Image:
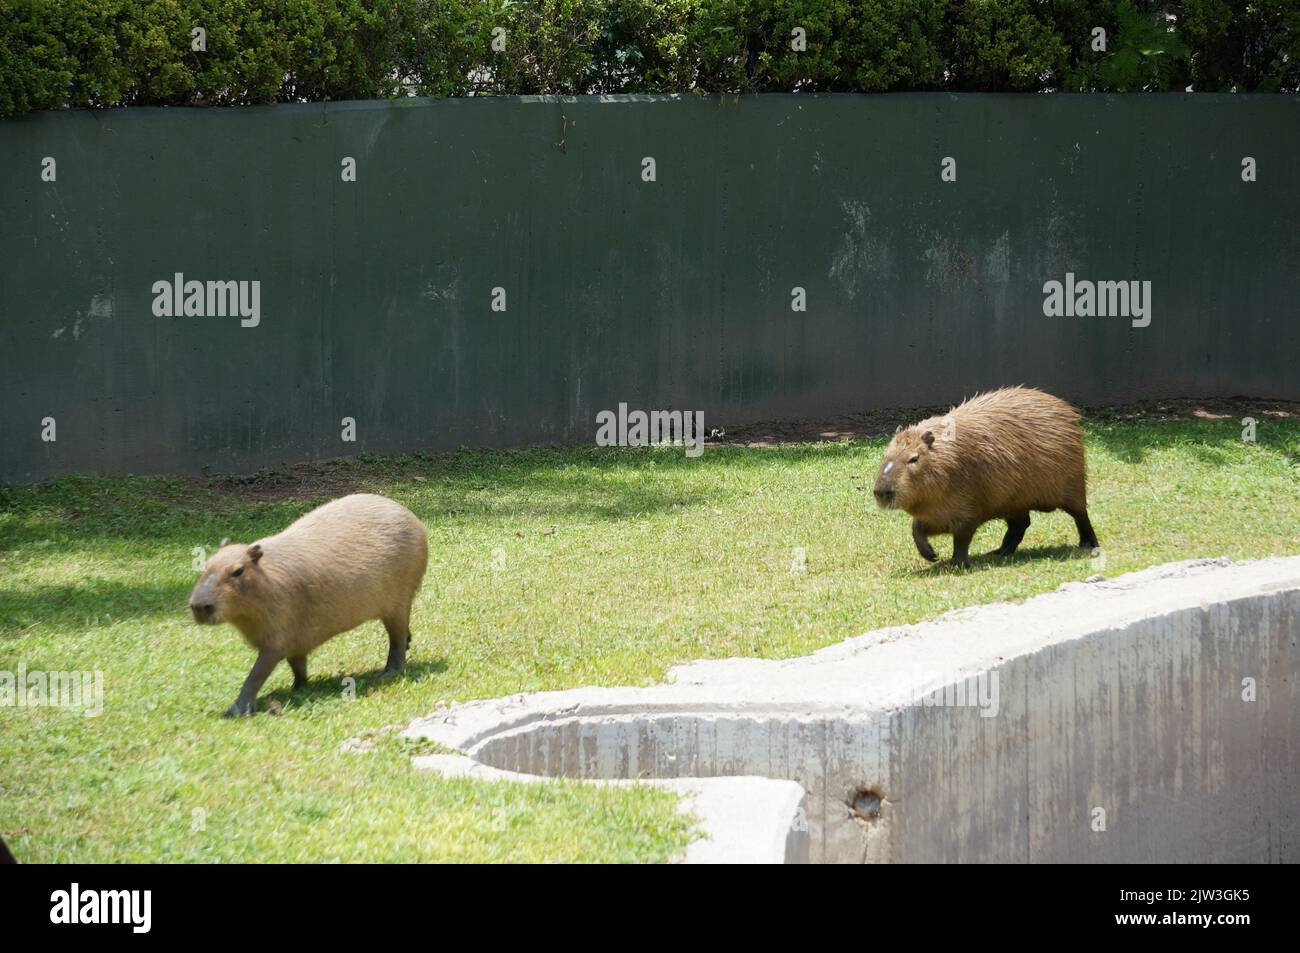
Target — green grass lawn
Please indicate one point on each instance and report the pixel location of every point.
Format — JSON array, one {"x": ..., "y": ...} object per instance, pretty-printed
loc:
[{"x": 548, "y": 569}]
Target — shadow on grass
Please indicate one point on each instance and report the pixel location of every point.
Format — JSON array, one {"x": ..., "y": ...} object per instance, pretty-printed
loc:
[
  {"x": 1212, "y": 442},
  {"x": 330, "y": 690},
  {"x": 587, "y": 484},
  {"x": 584, "y": 484},
  {"x": 1062, "y": 552},
  {"x": 88, "y": 603}
]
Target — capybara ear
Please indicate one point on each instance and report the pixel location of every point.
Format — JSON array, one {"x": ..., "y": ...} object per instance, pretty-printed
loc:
[
  {"x": 928, "y": 437},
  {"x": 225, "y": 541},
  {"x": 898, "y": 429},
  {"x": 255, "y": 552}
]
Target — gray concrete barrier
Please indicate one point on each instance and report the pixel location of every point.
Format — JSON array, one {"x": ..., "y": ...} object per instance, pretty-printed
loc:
[
  {"x": 502, "y": 270},
  {"x": 1152, "y": 717}
]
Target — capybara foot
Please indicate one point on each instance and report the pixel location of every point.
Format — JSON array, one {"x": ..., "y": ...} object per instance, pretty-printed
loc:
[
  {"x": 241, "y": 707},
  {"x": 1016, "y": 526},
  {"x": 922, "y": 543},
  {"x": 396, "y": 652},
  {"x": 1087, "y": 536},
  {"x": 961, "y": 546},
  {"x": 1006, "y": 549}
]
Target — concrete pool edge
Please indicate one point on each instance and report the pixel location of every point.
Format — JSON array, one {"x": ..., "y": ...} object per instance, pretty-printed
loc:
[{"x": 1107, "y": 679}]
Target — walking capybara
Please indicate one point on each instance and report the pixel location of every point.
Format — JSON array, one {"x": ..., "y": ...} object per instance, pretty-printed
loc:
[
  {"x": 996, "y": 456},
  {"x": 357, "y": 558}
]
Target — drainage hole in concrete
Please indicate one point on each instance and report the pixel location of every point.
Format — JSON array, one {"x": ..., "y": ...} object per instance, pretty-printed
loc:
[{"x": 865, "y": 803}]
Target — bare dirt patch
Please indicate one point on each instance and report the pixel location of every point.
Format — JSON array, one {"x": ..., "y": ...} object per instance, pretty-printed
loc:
[
  {"x": 313, "y": 479},
  {"x": 879, "y": 423}
]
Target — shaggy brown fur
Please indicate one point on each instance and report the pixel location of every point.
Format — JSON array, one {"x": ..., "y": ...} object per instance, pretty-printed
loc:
[
  {"x": 357, "y": 558},
  {"x": 997, "y": 456}
]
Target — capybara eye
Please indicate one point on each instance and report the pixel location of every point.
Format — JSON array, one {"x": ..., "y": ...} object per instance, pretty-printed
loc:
[
  {"x": 238, "y": 572},
  {"x": 915, "y": 458}
]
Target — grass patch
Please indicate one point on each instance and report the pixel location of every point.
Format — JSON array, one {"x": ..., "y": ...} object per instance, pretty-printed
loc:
[{"x": 548, "y": 569}]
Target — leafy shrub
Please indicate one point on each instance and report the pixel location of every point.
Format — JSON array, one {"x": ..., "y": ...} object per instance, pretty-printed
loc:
[{"x": 61, "y": 53}]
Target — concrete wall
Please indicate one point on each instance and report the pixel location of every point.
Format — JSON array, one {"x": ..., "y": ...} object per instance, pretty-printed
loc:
[
  {"x": 1150, "y": 718},
  {"x": 376, "y": 294}
]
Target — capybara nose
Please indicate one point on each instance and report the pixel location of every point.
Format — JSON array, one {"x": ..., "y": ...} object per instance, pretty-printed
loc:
[{"x": 202, "y": 611}]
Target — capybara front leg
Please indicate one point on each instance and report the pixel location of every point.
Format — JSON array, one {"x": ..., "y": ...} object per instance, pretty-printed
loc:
[
  {"x": 1087, "y": 538},
  {"x": 246, "y": 703},
  {"x": 399, "y": 637},
  {"x": 922, "y": 541},
  {"x": 1016, "y": 526},
  {"x": 961, "y": 537},
  {"x": 299, "y": 665}
]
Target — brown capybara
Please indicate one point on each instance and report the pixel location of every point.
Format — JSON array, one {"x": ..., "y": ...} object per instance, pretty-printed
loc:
[
  {"x": 996, "y": 456},
  {"x": 356, "y": 558}
]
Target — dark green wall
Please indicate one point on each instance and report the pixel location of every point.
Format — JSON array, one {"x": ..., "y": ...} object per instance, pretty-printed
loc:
[{"x": 672, "y": 294}]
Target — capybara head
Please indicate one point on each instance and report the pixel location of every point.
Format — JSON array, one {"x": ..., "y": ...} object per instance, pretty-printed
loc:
[
  {"x": 230, "y": 585},
  {"x": 906, "y": 467}
]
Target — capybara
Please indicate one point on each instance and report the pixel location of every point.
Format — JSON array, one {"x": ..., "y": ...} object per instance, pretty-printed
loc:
[
  {"x": 996, "y": 456},
  {"x": 357, "y": 558}
]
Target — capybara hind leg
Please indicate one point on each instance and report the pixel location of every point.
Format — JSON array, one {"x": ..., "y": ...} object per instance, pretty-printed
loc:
[
  {"x": 246, "y": 703},
  {"x": 922, "y": 541},
  {"x": 1016, "y": 526},
  {"x": 961, "y": 537},
  {"x": 1087, "y": 538},
  {"x": 299, "y": 665},
  {"x": 399, "y": 637}
]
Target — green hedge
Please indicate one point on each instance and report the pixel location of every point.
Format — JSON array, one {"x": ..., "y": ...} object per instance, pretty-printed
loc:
[{"x": 59, "y": 53}]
